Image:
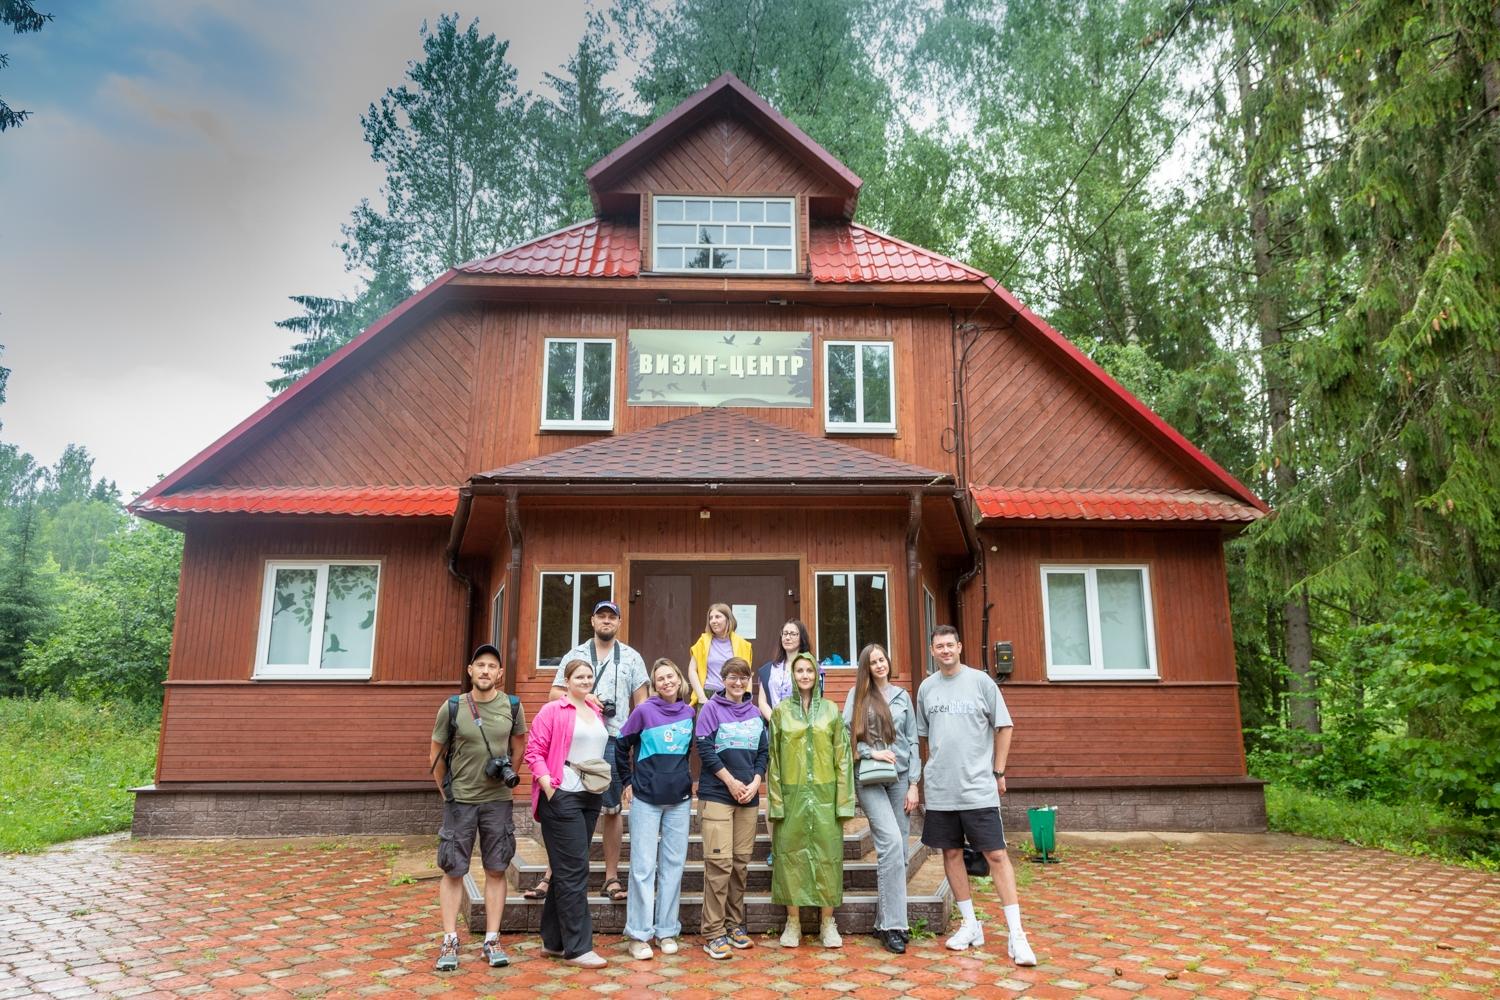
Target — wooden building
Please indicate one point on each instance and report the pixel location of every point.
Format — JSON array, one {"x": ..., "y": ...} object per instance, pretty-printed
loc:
[{"x": 720, "y": 389}]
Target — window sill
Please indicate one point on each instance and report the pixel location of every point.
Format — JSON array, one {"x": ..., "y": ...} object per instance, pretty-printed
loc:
[
  {"x": 1102, "y": 675},
  {"x": 860, "y": 430},
  {"x": 311, "y": 675},
  {"x": 556, "y": 428}
]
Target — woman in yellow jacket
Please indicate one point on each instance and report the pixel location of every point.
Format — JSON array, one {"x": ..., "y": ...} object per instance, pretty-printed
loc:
[{"x": 717, "y": 644}]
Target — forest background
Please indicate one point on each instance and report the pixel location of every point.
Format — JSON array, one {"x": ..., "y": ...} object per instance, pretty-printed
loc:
[{"x": 1277, "y": 223}]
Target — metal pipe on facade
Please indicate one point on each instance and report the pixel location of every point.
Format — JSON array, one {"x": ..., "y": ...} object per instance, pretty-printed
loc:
[
  {"x": 455, "y": 543},
  {"x": 512, "y": 587},
  {"x": 913, "y": 588}
]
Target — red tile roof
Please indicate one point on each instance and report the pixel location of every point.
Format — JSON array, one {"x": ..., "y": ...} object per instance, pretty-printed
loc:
[
  {"x": 715, "y": 446},
  {"x": 597, "y": 248},
  {"x": 359, "y": 501},
  {"x": 997, "y": 503},
  {"x": 838, "y": 253},
  {"x": 851, "y": 253}
]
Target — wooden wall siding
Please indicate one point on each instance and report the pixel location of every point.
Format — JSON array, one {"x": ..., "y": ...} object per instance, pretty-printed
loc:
[
  {"x": 302, "y": 733},
  {"x": 1188, "y": 591},
  {"x": 1030, "y": 424},
  {"x": 419, "y": 620},
  {"x": 726, "y": 155},
  {"x": 402, "y": 418},
  {"x": 507, "y": 416},
  {"x": 608, "y": 540},
  {"x": 1107, "y": 732}
]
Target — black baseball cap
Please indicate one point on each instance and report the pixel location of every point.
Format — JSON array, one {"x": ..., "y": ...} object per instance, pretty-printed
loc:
[
  {"x": 490, "y": 648},
  {"x": 607, "y": 605}
]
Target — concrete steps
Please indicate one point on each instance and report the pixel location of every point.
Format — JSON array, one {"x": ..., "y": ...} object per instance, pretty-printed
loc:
[{"x": 929, "y": 899}]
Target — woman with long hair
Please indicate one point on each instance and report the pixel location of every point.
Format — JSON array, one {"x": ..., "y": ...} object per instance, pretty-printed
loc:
[
  {"x": 565, "y": 752},
  {"x": 652, "y": 755},
  {"x": 718, "y": 643},
  {"x": 883, "y": 724},
  {"x": 810, "y": 795}
]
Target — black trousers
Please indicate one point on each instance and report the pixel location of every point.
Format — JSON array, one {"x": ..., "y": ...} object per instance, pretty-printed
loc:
[{"x": 567, "y": 820}]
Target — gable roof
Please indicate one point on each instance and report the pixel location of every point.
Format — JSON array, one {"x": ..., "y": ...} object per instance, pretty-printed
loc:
[
  {"x": 726, "y": 94},
  {"x": 715, "y": 446}
]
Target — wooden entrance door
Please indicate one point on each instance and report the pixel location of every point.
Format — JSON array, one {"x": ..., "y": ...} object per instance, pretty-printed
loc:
[{"x": 669, "y": 604}]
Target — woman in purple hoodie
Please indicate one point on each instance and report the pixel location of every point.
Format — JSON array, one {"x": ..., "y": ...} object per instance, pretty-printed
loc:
[
  {"x": 732, "y": 744},
  {"x": 652, "y": 758}
]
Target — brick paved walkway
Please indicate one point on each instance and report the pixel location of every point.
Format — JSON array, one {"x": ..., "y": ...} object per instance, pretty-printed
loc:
[{"x": 1252, "y": 916}]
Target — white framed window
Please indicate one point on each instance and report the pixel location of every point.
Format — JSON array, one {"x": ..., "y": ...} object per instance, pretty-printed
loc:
[
  {"x": 497, "y": 620},
  {"x": 929, "y": 622},
  {"x": 1097, "y": 622},
  {"x": 852, "y": 611},
  {"x": 724, "y": 235},
  {"x": 578, "y": 384},
  {"x": 859, "y": 386},
  {"x": 565, "y": 600},
  {"x": 317, "y": 619}
]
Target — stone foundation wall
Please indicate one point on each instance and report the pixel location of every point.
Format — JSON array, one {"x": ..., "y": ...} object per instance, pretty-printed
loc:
[{"x": 201, "y": 812}]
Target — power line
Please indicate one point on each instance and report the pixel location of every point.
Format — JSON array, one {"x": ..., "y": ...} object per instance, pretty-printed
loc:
[
  {"x": 1119, "y": 112},
  {"x": 1192, "y": 119}
]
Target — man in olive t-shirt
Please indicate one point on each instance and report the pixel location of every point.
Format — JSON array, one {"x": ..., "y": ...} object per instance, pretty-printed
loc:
[{"x": 489, "y": 724}]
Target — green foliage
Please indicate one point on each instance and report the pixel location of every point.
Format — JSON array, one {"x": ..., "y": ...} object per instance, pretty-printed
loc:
[
  {"x": 1406, "y": 827},
  {"x": 113, "y": 636},
  {"x": 20, "y": 16},
  {"x": 66, "y": 768},
  {"x": 27, "y": 582}
]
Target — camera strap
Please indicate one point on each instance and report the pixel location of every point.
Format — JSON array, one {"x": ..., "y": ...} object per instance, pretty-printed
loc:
[
  {"x": 593, "y": 649},
  {"x": 479, "y": 722}
]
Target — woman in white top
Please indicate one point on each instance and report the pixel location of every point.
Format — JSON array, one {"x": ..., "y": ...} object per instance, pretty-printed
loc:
[{"x": 568, "y": 731}]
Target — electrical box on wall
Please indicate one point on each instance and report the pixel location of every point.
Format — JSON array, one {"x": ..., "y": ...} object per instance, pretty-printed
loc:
[{"x": 1005, "y": 660}]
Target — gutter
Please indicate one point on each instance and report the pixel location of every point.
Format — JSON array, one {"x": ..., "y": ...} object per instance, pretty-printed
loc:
[{"x": 455, "y": 542}]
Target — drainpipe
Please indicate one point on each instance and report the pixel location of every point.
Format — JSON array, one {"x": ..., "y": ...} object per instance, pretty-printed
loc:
[
  {"x": 914, "y": 589},
  {"x": 513, "y": 587},
  {"x": 961, "y": 496},
  {"x": 455, "y": 542}
]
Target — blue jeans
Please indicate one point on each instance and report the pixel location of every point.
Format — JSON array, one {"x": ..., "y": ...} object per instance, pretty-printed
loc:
[{"x": 658, "y": 851}]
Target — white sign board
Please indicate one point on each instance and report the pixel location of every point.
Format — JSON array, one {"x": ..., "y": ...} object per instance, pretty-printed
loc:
[{"x": 744, "y": 618}]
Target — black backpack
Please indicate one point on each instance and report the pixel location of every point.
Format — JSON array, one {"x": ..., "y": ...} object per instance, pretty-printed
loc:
[{"x": 515, "y": 713}]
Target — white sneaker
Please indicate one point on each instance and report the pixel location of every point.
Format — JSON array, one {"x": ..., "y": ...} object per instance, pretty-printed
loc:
[
  {"x": 968, "y": 935},
  {"x": 1020, "y": 949},
  {"x": 641, "y": 951},
  {"x": 830, "y": 934},
  {"x": 791, "y": 934},
  {"x": 668, "y": 946}
]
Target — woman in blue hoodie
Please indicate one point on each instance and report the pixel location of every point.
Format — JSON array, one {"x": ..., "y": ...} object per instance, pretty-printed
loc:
[
  {"x": 652, "y": 757},
  {"x": 732, "y": 744}
]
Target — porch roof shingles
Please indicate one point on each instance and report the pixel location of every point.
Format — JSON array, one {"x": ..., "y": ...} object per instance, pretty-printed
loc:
[
  {"x": 357, "y": 501},
  {"x": 715, "y": 446}
]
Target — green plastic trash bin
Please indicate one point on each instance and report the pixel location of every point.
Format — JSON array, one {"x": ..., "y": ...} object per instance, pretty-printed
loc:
[{"x": 1043, "y": 820}]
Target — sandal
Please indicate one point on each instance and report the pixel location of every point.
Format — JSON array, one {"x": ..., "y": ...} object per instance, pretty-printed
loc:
[
  {"x": 614, "y": 890},
  {"x": 538, "y": 891}
]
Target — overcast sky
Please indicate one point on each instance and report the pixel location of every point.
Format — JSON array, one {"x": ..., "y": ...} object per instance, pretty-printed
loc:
[{"x": 186, "y": 168}]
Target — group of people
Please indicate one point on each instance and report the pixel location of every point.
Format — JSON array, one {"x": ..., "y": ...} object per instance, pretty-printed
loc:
[{"x": 615, "y": 735}]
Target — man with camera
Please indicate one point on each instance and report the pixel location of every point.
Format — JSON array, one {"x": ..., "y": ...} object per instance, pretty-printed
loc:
[
  {"x": 476, "y": 740},
  {"x": 619, "y": 685}
]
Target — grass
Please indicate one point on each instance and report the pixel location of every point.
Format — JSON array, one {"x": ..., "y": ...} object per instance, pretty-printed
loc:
[
  {"x": 66, "y": 767},
  {"x": 1412, "y": 828}
]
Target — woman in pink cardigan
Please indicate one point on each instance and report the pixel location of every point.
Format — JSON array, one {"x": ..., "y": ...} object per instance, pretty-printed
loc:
[{"x": 568, "y": 731}]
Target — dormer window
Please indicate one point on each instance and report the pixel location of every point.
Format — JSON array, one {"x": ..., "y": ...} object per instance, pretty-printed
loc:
[{"x": 724, "y": 235}]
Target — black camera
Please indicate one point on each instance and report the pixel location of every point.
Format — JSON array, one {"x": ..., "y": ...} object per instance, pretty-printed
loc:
[
  {"x": 499, "y": 769},
  {"x": 609, "y": 709}
]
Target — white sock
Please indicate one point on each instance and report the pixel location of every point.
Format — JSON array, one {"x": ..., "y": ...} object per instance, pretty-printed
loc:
[
  {"x": 450, "y": 937},
  {"x": 966, "y": 907},
  {"x": 492, "y": 936},
  {"x": 1013, "y": 917}
]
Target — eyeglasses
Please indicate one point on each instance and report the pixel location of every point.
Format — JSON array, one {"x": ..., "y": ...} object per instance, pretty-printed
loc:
[{"x": 793, "y": 634}]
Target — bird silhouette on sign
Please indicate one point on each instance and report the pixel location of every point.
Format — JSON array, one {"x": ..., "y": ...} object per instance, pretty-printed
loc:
[
  {"x": 756, "y": 342},
  {"x": 728, "y": 340},
  {"x": 333, "y": 644},
  {"x": 674, "y": 387},
  {"x": 655, "y": 394}
]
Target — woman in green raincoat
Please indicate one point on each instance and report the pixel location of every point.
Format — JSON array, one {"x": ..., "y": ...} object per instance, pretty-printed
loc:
[{"x": 810, "y": 788}]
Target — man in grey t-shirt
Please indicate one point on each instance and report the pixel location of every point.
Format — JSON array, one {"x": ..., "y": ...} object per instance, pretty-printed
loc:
[
  {"x": 967, "y": 728},
  {"x": 619, "y": 685}
]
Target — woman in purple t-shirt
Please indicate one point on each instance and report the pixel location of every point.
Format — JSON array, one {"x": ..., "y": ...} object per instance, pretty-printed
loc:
[{"x": 718, "y": 643}]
